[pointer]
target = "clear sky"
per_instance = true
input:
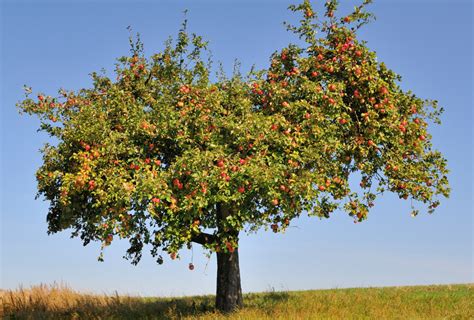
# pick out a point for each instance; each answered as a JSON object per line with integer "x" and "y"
{"x": 53, "y": 44}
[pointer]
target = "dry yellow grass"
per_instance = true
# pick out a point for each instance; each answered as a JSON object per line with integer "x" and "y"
{"x": 419, "y": 302}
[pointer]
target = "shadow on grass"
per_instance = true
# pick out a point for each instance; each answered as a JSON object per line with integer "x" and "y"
{"x": 133, "y": 308}
{"x": 115, "y": 308}
{"x": 60, "y": 302}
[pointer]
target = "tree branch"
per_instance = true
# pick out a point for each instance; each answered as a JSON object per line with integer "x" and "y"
{"x": 203, "y": 238}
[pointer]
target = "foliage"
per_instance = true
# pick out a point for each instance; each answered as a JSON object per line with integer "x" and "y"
{"x": 153, "y": 155}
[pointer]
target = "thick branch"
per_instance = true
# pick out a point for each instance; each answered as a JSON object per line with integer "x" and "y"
{"x": 203, "y": 238}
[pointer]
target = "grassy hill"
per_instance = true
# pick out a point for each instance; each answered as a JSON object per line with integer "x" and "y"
{"x": 418, "y": 302}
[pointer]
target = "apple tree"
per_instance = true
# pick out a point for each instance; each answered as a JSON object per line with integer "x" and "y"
{"x": 164, "y": 156}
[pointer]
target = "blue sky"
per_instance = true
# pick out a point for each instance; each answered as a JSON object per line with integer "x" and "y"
{"x": 54, "y": 44}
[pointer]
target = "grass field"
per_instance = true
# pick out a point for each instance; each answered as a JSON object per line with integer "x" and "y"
{"x": 418, "y": 302}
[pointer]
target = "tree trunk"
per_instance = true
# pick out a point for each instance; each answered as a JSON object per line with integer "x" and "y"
{"x": 229, "y": 290}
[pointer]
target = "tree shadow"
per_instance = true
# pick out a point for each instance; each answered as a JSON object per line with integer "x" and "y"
{"x": 69, "y": 305}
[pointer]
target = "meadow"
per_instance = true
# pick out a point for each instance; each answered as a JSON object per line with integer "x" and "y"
{"x": 417, "y": 302}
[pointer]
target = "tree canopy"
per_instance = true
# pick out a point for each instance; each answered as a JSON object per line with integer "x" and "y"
{"x": 156, "y": 153}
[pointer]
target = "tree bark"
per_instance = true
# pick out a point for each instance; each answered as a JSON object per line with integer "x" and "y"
{"x": 229, "y": 289}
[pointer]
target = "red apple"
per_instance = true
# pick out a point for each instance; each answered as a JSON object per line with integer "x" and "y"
{"x": 229, "y": 246}
{"x": 274, "y": 227}
{"x": 184, "y": 89}
{"x": 383, "y": 90}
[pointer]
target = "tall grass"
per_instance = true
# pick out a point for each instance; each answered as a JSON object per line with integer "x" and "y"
{"x": 58, "y": 301}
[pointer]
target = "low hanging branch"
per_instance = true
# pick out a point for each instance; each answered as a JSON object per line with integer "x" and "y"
{"x": 203, "y": 238}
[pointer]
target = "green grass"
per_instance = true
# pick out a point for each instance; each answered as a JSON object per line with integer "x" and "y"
{"x": 417, "y": 302}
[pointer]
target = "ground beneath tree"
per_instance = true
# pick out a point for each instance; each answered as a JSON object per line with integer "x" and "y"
{"x": 418, "y": 302}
